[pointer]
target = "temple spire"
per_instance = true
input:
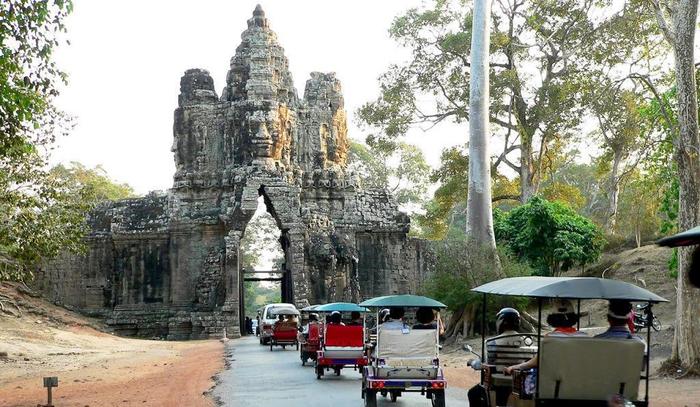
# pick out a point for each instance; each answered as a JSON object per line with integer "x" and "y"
{"x": 258, "y": 19}
{"x": 258, "y": 11}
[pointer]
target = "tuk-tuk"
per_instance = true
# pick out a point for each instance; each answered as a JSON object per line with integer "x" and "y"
{"x": 404, "y": 360}
{"x": 574, "y": 371}
{"x": 341, "y": 345}
{"x": 284, "y": 331}
{"x": 309, "y": 337}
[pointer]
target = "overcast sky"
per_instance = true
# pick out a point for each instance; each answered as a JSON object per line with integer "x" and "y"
{"x": 126, "y": 58}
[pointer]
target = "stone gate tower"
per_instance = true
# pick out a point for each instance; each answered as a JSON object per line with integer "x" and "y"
{"x": 167, "y": 264}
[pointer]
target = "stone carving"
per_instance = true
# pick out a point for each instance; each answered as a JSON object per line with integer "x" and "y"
{"x": 167, "y": 264}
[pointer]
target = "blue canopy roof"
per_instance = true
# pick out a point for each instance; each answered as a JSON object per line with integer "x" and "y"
{"x": 341, "y": 307}
{"x": 405, "y": 300}
{"x": 569, "y": 287}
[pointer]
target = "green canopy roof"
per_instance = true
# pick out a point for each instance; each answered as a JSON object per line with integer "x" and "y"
{"x": 405, "y": 300}
{"x": 341, "y": 307}
{"x": 688, "y": 238}
{"x": 569, "y": 287}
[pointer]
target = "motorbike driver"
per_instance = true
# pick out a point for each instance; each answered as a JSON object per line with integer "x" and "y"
{"x": 507, "y": 326}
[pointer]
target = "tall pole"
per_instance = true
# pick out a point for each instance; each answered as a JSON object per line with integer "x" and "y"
{"x": 479, "y": 218}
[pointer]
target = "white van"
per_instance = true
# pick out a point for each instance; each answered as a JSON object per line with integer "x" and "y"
{"x": 268, "y": 318}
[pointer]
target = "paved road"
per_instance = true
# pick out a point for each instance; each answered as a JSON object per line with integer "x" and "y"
{"x": 261, "y": 378}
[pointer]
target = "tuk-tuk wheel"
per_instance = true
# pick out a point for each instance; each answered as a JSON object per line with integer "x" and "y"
{"x": 394, "y": 395}
{"x": 319, "y": 372}
{"x": 439, "y": 398}
{"x": 370, "y": 398}
{"x": 304, "y": 359}
{"x": 297, "y": 345}
{"x": 270, "y": 346}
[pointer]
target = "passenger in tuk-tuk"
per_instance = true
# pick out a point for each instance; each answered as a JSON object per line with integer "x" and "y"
{"x": 563, "y": 320}
{"x": 313, "y": 319}
{"x": 355, "y": 318}
{"x": 617, "y": 318}
{"x": 428, "y": 319}
{"x": 395, "y": 319}
{"x": 336, "y": 318}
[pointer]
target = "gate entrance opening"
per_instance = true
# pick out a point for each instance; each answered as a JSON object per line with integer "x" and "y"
{"x": 263, "y": 275}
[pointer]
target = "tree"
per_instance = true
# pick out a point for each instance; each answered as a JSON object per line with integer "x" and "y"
{"x": 551, "y": 236}
{"x": 39, "y": 216}
{"x": 639, "y": 207}
{"x": 479, "y": 219}
{"x": 541, "y": 57}
{"x": 94, "y": 184}
{"x": 677, "y": 20}
{"x": 260, "y": 243}
{"x": 447, "y": 208}
{"x": 39, "y": 220}
{"x": 28, "y": 75}
{"x": 619, "y": 125}
{"x": 401, "y": 169}
{"x": 455, "y": 275}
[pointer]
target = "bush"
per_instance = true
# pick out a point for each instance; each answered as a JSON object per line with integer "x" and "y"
{"x": 550, "y": 236}
{"x": 461, "y": 267}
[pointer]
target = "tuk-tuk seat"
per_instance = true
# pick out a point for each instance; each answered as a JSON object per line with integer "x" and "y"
{"x": 344, "y": 342}
{"x": 500, "y": 356}
{"x": 579, "y": 368}
{"x": 409, "y": 355}
{"x": 314, "y": 333}
{"x": 285, "y": 331}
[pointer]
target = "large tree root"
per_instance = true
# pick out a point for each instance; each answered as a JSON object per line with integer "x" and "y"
{"x": 7, "y": 301}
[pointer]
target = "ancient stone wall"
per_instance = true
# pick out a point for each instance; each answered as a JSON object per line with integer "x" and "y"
{"x": 167, "y": 264}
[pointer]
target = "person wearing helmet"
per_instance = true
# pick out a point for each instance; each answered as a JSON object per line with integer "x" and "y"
{"x": 507, "y": 326}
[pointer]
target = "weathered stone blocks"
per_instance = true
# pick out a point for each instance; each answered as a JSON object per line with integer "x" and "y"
{"x": 166, "y": 265}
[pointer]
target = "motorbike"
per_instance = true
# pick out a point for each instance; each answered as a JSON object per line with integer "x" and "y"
{"x": 641, "y": 318}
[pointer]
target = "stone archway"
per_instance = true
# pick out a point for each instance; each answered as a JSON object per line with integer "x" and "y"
{"x": 167, "y": 264}
{"x": 283, "y": 276}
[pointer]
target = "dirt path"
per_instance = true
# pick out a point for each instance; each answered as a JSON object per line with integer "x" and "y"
{"x": 123, "y": 373}
{"x": 95, "y": 368}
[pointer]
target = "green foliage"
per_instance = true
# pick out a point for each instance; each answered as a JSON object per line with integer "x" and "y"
{"x": 447, "y": 208}
{"x": 39, "y": 215}
{"x": 258, "y": 295}
{"x": 456, "y": 273}
{"x": 401, "y": 169}
{"x": 449, "y": 199}
{"x": 261, "y": 239}
{"x": 28, "y": 75}
{"x": 93, "y": 183}
{"x": 543, "y": 55}
{"x": 43, "y": 212}
{"x": 550, "y": 236}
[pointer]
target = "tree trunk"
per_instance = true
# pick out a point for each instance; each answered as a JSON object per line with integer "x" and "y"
{"x": 527, "y": 189}
{"x": 613, "y": 192}
{"x": 479, "y": 217}
{"x": 686, "y": 344}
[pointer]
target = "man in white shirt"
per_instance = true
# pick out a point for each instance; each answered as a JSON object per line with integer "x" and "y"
{"x": 395, "y": 319}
